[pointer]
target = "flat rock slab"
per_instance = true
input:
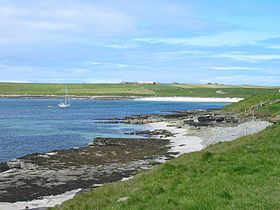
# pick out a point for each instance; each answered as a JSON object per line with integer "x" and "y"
{"x": 106, "y": 160}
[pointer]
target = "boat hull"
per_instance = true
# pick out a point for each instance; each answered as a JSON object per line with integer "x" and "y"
{"x": 62, "y": 105}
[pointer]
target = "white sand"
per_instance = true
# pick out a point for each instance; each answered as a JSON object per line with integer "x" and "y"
{"x": 47, "y": 201}
{"x": 190, "y": 99}
{"x": 186, "y": 141}
{"x": 180, "y": 142}
{"x": 213, "y": 135}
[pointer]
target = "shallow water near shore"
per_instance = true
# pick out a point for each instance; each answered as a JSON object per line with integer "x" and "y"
{"x": 38, "y": 125}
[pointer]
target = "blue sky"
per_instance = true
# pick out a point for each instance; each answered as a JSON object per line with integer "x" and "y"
{"x": 186, "y": 41}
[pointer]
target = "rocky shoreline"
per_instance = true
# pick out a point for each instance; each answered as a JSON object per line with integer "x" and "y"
{"x": 112, "y": 159}
{"x": 105, "y": 160}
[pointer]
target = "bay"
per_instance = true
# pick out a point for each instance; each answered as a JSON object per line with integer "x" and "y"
{"x": 38, "y": 125}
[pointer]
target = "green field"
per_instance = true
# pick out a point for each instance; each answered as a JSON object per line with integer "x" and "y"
{"x": 242, "y": 174}
{"x": 135, "y": 90}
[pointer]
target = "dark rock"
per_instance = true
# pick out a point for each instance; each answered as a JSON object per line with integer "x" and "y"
{"x": 4, "y": 167}
{"x": 188, "y": 121}
{"x": 219, "y": 119}
{"x": 147, "y": 133}
{"x": 80, "y": 168}
{"x": 203, "y": 118}
{"x": 106, "y": 142}
{"x": 197, "y": 124}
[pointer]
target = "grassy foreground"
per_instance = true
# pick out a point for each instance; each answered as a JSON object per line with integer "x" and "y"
{"x": 135, "y": 90}
{"x": 242, "y": 174}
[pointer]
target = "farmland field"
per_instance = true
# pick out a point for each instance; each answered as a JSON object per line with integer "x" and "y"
{"x": 134, "y": 89}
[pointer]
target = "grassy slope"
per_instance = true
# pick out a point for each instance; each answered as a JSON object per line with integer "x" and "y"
{"x": 268, "y": 110}
{"x": 135, "y": 90}
{"x": 242, "y": 174}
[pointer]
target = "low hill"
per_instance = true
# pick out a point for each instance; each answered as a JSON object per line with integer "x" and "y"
{"x": 135, "y": 89}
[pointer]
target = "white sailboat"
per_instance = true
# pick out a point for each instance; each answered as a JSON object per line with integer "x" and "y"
{"x": 65, "y": 101}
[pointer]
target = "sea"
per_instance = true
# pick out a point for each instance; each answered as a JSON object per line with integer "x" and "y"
{"x": 39, "y": 125}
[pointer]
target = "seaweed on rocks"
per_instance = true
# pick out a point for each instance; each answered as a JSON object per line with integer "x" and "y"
{"x": 105, "y": 160}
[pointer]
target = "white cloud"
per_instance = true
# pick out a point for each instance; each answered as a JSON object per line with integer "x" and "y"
{"x": 120, "y": 46}
{"x": 244, "y": 79}
{"x": 14, "y": 81}
{"x": 229, "y": 68}
{"x": 167, "y": 55}
{"x": 276, "y": 47}
{"x": 196, "y": 52}
{"x": 52, "y": 20}
{"x": 114, "y": 65}
{"x": 21, "y": 73}
{"x": 248, "y": 57}
{"x": 231, "y": 38}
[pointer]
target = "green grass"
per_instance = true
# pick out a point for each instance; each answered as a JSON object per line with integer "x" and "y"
{"x": 135, "y": 90}
{"x": 271, "y": 110}
{"x": 266, "y": 110}
{"x": 243, "y": 174}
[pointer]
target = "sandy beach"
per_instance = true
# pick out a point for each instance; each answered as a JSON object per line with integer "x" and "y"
{"x": 180, "y": 143}
{"x": 190, "y": 99}
{"x": 174, "y": 99}
{"x": 187, "y": 140}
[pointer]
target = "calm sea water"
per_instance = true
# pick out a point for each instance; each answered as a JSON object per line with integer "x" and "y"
{"x": 38, "y": 125}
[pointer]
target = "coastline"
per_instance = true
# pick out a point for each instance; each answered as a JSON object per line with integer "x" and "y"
{"x": 180, "y": 142}
{"x": 191, "y": 99}
{"x": 139, "y": 98}
{"x": 186, "y": 139}
{"x": 29, "y": 178}
{"x": 178, "y": 133}
{"x": 42, "y": 203}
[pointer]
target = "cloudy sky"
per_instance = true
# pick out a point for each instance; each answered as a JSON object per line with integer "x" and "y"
{"x": 187, "y": 41}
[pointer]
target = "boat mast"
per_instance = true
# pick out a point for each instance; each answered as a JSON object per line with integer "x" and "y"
{"x": 65, "y": 101}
